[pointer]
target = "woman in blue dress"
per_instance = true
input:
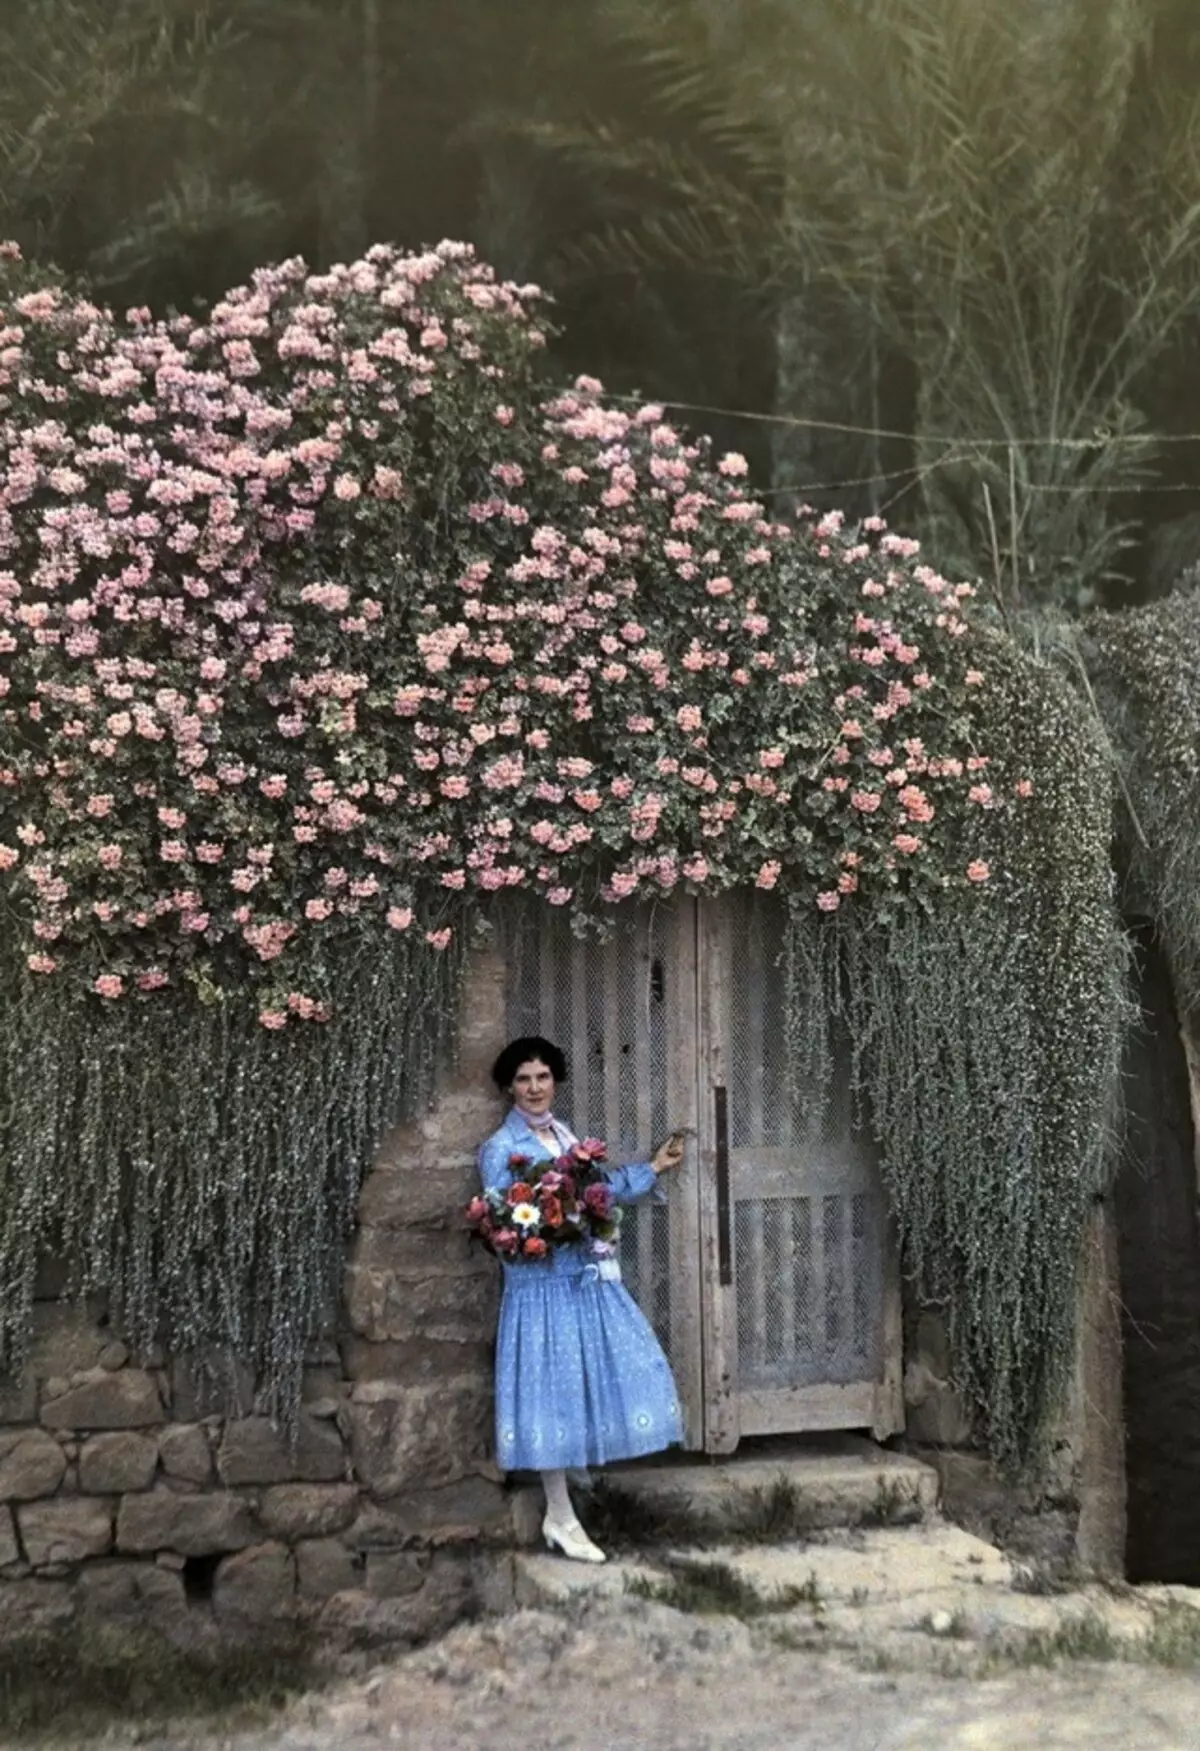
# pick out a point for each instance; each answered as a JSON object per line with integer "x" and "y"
{"x": 580, "y": 1376}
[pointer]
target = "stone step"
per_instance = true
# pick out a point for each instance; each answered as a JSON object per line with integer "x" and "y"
{"x": 768, "y": 1491}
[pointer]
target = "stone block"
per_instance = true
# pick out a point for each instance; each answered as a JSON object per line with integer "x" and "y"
{"x": 475, "y": 1508}
{"x": 210, "y": 1386}
{"x": 255, "y": 1587}
{"x": 18, "y": 1399}
{"x": 67, "y": 1338}
{"x": 403, "y": 1437}
{"x": 324, "y": 1567}
{"x": 457, "y": 1124}
{"x": 378, "y": 1528}
{"x": 134, "y": 1594}
{"x": 199, "y": 1525}
{"x": 32, "y": 1464}
{"x": 306, "y": 1510}
{"x": 360, "y": 1619}
{"x": 935, "y": 1412}
{"x": 387, "y": 1305}
{"x": 128, "y": 1399}
{"x": 414, "y": 1360}
{"x": 394, "y": 1574}
{"x": 65, "y": 1531}
{"x": 111, "y": 1464}
{"x": 443, "y": 1249}
{"x": 33, "y": 1606}
{"x": 931, "y": 1347}
{"x": 185, "y": 1453}
{"x": 323, "y": 1391}
{"x": 397, "y": 1198}
{"x": 10, "y": 1551}
{"x": 252, "y": 1450}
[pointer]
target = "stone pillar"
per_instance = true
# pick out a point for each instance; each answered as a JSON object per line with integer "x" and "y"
{"x": 1098, "y": 1403}
{"x": 420, "y": 1305}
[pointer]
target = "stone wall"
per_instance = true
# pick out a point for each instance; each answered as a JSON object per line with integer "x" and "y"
{"x": 1072, "y": 1518}
{"x": 148, "y": 1491}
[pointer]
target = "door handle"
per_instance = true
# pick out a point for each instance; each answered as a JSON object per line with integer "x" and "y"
{"x": 724, "y": 1237}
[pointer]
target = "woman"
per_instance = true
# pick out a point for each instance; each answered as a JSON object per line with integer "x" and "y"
{"x": 580, "y": 1376}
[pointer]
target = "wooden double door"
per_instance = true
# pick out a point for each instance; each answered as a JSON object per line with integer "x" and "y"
{"x": 769, "y": 1273}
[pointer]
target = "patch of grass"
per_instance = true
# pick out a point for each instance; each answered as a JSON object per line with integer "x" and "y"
{"x": 775, "y": 1511}
{"x": 87, "y": 1682}
{"x": 620, "y": 1520}
{"x": 716, "y": 1589}
{"x": 1174, "y": 1638}
{"x": 1039, "y": 1579}
{"x": 1086, "y": 1637}
{"x": 895, "y": 1504}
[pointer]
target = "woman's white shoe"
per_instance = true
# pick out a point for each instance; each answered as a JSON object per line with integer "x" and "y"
{"x": 572, "y": 1541}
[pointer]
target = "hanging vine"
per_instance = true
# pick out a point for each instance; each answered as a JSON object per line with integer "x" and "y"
{"x": 1145, "y": 668}
{"x": 324, "y": 621}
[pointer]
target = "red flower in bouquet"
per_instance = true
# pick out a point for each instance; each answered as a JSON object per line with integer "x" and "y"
{"x": 598, "y": 1202}
{"x": 534, "y": 1247}
{"x": 505, "y": 1240}
{"x": 520, "y": 1193}
{"x": 552, "y": 1211}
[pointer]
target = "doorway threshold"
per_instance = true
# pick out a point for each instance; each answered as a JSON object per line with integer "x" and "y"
{"x": 776, "y": 1487}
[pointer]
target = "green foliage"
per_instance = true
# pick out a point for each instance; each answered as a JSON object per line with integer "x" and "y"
{"x": 199, "y": 1169}
{"x": 1001, "y": 195}
{"x": 622, "y": 680}
{"x": 1145, "y": 669}
{"x": 985, "y": 1044}
{"x": 66, "y": 1689}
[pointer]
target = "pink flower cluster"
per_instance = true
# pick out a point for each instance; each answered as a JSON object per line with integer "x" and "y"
{"x": 281, "y": 660}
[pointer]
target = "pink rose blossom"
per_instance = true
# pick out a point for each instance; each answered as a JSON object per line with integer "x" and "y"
{"x": 829, "y": 900}
{"x": 979, "y": 871}
{"x": 109, "y": 985}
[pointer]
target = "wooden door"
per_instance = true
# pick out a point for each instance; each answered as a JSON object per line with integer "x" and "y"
{"x": 800, "y": 1303}
{"x": 624, "y": 1012}
{"x": 769, "y": 1274}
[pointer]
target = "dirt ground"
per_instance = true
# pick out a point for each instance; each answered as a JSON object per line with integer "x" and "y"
{"x": 619, "y": 1673}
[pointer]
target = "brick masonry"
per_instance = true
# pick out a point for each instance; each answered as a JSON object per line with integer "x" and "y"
{"x": 129, "y": 1492}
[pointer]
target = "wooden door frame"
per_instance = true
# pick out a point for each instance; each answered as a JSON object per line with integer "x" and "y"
{"x": 729, "y": 1412}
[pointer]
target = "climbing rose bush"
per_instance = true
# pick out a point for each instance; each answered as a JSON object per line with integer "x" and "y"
{"x": 321, "y": 615}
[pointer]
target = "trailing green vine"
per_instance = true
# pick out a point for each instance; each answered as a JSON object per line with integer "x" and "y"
{"x": 325, "y": 621}
{"x": 1145, "y": 667}
{"x": 986, "y": 1041}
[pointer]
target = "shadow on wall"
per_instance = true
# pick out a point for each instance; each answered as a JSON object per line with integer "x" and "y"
{"x": 1159, "y": 1239}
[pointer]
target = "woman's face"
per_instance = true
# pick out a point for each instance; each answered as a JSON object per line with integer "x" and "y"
{"x": 533, "y": 1087}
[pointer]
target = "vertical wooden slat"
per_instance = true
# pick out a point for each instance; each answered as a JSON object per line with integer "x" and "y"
{"x": 719, "y": 1304}
{"x": 785, "y": 1276}
{"x": 848, "y": 1275}
{"x": 612, "y": 1043}
{"x": 749, "y": 971}
{"x": 889, "y": 1394}
{"x": 752, "y": 1289}
{"x": 576, "y": 957}
{"x": 683, "y": 1083}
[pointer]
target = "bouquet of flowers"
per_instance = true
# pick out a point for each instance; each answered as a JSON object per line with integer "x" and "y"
{"x": 564, "y": 1202}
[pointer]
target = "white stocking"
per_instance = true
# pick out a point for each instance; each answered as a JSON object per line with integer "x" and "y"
{"x": 558, "y": 1501}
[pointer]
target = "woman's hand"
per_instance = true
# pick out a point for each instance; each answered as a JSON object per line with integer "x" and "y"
{"x": 668, "y": 1155}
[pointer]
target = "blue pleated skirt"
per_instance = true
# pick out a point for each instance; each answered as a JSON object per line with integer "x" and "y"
{"x": 581, "y": 1378}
